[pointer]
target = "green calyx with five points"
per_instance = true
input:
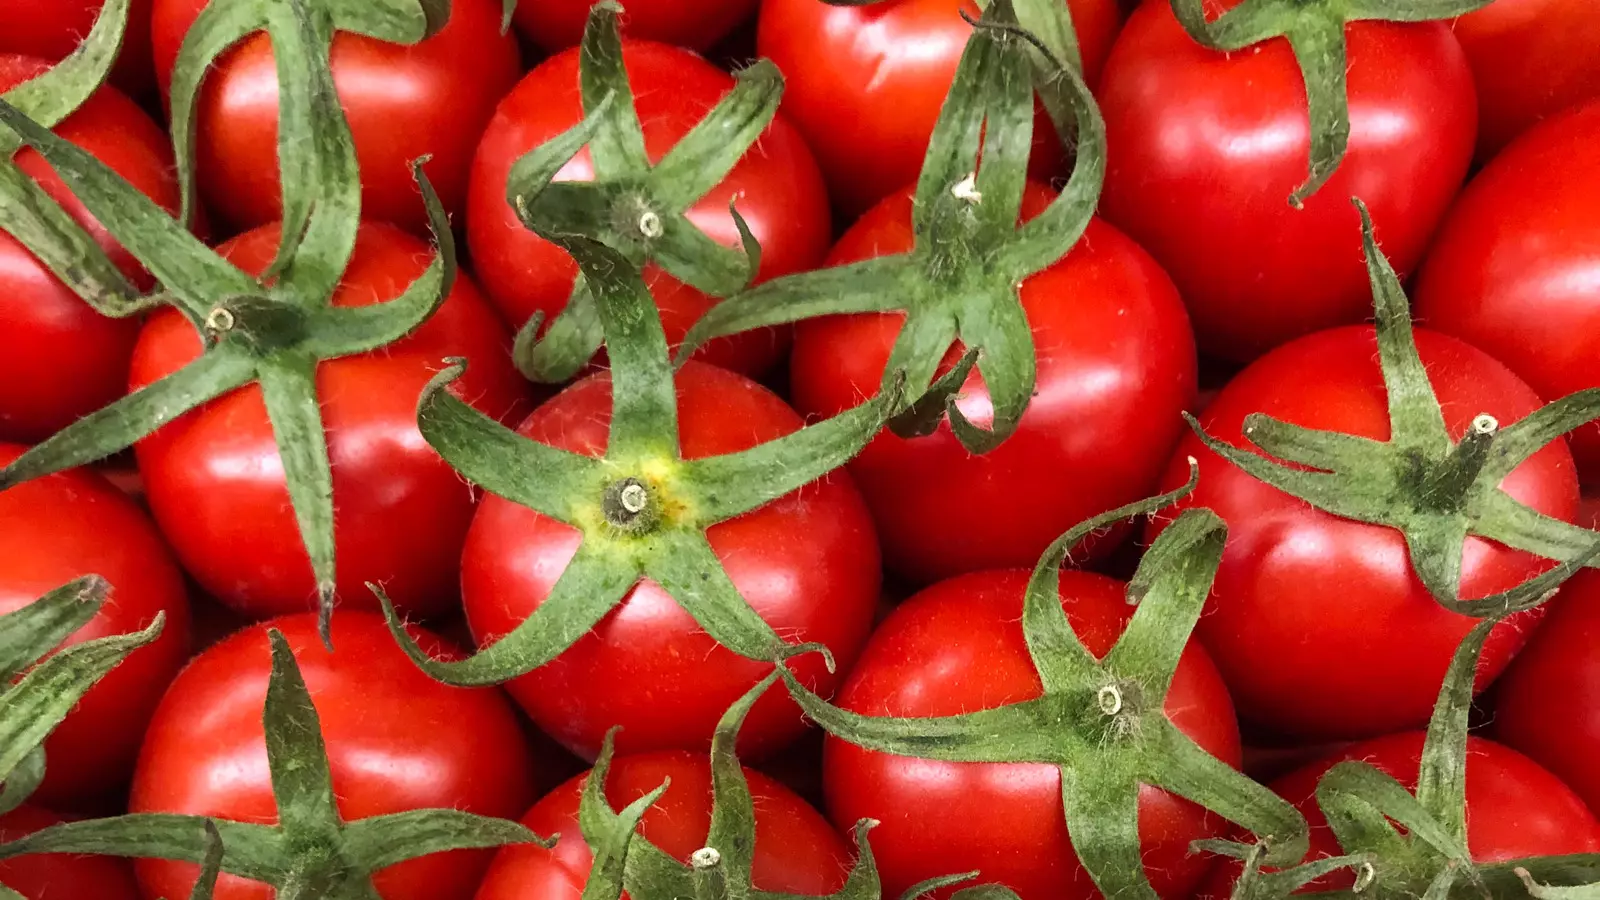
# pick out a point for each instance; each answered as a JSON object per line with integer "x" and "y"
{"x": 642, "y": 508}
{"x": 1433, "y": 489}
{"x": 1102, "y": 721}
{"x": 961, "y": 280}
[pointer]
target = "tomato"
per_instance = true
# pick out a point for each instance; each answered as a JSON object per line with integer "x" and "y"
{"x": 1514, "y": 808}
{"x": 807, "y": 563}
{"x": 1318, "y": 623}
{"x": 50, "y": 875}
{"x": 1512, "y": 271}
{"x": 75, "y": 523}
{"x": 695, "y": 24}
{"x": 215, "y": 482}
{"x": 59, "y": 359}
{"x": 957, "y": 647}
{"x": 778, "y": 187}
{"x": 402, "y": 103}
{"x": 1116, "y": 364}
{"x": 1206, "y": 147}
{"x": 52, "y": 29}
{"x": 397, "y": 741}
{"x": 796, "y": 851}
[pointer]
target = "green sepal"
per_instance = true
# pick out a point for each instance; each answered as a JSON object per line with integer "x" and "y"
{"x": 210, "y": 864}
{"x": 1256, "y": 884}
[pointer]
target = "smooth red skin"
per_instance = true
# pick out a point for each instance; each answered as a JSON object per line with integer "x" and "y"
{"x": 807, "y": 563}
{"x": 957, "y": 647}
{"x": 1515, "y": 809}
{"x": 796, "y": 850}
{"x": 59, "y": 359}
{"x": 53, "y": 875}
{"x": 402, "y": 102}
{"x": 52, "y": 29}
{"x": 777, "y": 185}
{"x": 1318, "y": 623}
{"x": 695, "y": 24}
{"x": 1116, "y": 365}
{"x": 1530, "y": 59}
{"x": 1514, "y": 270}
{"x": 64, "y": 526}
{"x": 215, "y": 482}
{"x": 396, "y": 739}
{"x": 1206, "y": 147}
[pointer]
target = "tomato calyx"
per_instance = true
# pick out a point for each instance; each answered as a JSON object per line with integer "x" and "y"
{"x": 1101, "y": 721}
{"x": 642, "y": 509}
{"x": 962, "y": 277}
{"x": 1433, "y": 489}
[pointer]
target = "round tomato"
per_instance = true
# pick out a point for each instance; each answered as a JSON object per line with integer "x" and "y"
{"x": 806, "y": 562}
{"x": 396, "y": 739}
{"x": 1116, "y": 365}
{"x": 957, "y": 647}
{"x": 402, "y": 102}
{"x": 1318, "y": 623}
{"x": 778, "y": 187}
{"x": 796, "y": 851}
{"x": 47, "y": 876}
{"x": 1511, "y": 271}
{"x": 215, "y": 482}
{"x": 64, "y": 526}
{"x": 696, "y": 24}
{"x": 59, "y": 359}
{"x": 865, "y": 82}
{"x": 52, "y": 29}
{"x": 1206, "y": 147}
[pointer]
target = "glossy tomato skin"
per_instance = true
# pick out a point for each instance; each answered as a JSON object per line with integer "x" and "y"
{"x": 796, "y": 850}
{"x": 1116, "y": 365}
{"x": 52, "y": 29}
{"x": 215, "y": 481}
{"x": 52, "y": 875}
{"x": 957, "y": 647}
{"x": 696, "y": 24}
{"x": 1206, "y": 147}
{"x": 1511, "y": 269}
{"x": 777, "y": 185}
{"x": 396, "y": 739}
{"x": 402, "y": 102}
{"x": 64, "y": 526}
{"x": 865, "y": 83}
{"x": 807, "y": 563}
{"x": 1318, "y": 623}
{"x": 59, "y": 359}
{"x": 1515, "y": 809}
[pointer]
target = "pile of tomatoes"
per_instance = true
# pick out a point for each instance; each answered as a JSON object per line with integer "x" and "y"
{"x": 1049, "y": 449}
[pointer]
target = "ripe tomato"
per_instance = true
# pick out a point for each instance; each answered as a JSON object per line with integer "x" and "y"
{"x": 397, "y": 740}
{"x": 796, "y": 851}
{"x": 807, "y": 563}
{"x": 696, "y": 24}
{"x": 1206, "y": 147}
{"x": 1318, "y": 623}
{"x": 52, "y": 29}
{"x": 402, "y": 103}
{"x": 59, "y": 359}
{"x": 47, "y": 876}
{"x": 779, "y": 189}
{"x": 215, "y": 482}
{"x": 1116, "y": 364}
{"x": 865, "y": 83}
{"x": 1511, "y": 271}
{"x": 1514, "y": 808}
{"x": 957, "y": 647}
{"x": 65, "y": 526}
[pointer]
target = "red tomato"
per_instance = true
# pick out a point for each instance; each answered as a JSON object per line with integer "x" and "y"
{"x": 402, "y": 103}
{"x": 64, "y": 526}
{"x": 1513, "y": 269}
{"x": 807, "y": 563}
{"x": 957, "y": 647}
{"x": 796, "y": 851}
{"x": 1514, "y": 808}
{"x": 1116, "y": 364}
{"x": 59, "y": 359}
{"x": 695, "y": 24}
{"x": 52, "y": 29}
{"x": 215, "y": 482}
{"x": 865, "y": 83}
{"x": 1206, "y": 147}
{"x": 1318, "y": 623}
{"x": 779, "y": 190}
{"x": 51, "y": 875}
{"x": 397, "y": 741}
